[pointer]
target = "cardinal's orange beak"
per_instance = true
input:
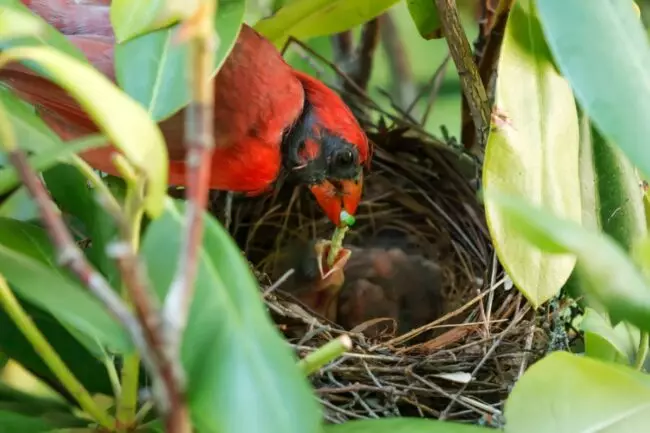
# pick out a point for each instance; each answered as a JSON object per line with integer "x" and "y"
{"x": 342, "y": 196}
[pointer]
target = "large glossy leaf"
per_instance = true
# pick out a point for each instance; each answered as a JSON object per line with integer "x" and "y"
{"x": 28, "y": 262}
{"x": 610, "y": 343}
{"x": 243, "y": 377}
{"x": 566, "y": 393}
{"x": 21, "y": 27}
{"x": 425, "y": 16}
{"x": 133, "y": 18}
{"x": 304, "y": 19}
{"x": 403, "y": 425}
{"x": 608, "y": 276}
{"x": 598, "y": 49}
{"x": 122, "y": 120}
{"x": 159, "y": 80}
{"x": 532, "y": 152}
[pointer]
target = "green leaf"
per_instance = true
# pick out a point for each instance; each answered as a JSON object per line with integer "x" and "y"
{"x": 159, "y": 80}
{"x": 566, "y": 393}
{"x": 49, "y": 157}
{"x": 607, "y": 275}
{"x": 606, "y": 342}
{"x": 243, "y": 364}
{"x": 611, "y": 187}
{"x": 532, "y": 153}
{"x": 19, "y": 26}
{"x": 15, "y": 422}
{"x": 22, "y": 412}
{"x": 403, "y": 425}
{"x": 304, "y": 19}
{"x": 32, "y": 134}
{"x": 19, "y": 205}
{"x": 128, "y": 126}
{"x": 425, "y": 17}
{"x": 28, "y": 262}
{"x": 68, "y": 188}
{"x": 134, "y": 18}
{"x": 86, "y": 367}
{"x": 611, "y": 70}
{"x": 16, "y": 24}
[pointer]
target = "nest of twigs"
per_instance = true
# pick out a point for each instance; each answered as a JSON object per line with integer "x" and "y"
{"x": 419, "y": 190}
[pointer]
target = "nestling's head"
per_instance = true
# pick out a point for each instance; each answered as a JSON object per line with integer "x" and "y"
{"x": 327, "y": 150}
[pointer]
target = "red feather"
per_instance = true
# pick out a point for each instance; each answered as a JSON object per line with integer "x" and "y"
{"x": 257, "y": 98}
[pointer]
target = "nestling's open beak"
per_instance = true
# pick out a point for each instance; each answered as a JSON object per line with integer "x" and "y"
{"x": 334, "y": 198}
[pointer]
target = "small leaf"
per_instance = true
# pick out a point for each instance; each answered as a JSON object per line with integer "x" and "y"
{"x": 610, "y": 31}
{"x": 127, "y": 125}
{"x": 425, "y": 17}
{"x": 134, "y": 18}
{"x": 243, "y": 366}
{"x": 304, "y": 19}
{"x": 565, "y": 393}
{"x": 403, "y": 425}
{"x": 606, "y": 273}
{"x": 603, "y": 341}
{"x": 19, "y": 206}
{"x": 19, "y": 26}
{"x": 615, "y": 197}
{"x": 28, "y": 262}
{"x": 533, "y": 153}
{"x": 159, "y": 80}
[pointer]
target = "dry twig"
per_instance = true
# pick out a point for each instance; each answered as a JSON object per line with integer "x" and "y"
{"x": 473, "y": 87}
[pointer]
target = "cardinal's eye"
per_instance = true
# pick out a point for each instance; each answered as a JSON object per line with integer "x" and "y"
{"x": 344, "y": 158}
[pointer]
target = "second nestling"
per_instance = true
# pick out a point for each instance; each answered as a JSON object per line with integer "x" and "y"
{"x": 376, "y": 282}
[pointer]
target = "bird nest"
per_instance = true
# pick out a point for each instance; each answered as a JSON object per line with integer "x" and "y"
{"x": 418, "y": 195}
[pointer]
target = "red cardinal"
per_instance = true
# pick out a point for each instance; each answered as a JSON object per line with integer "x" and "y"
{"x": 270, "y": 120}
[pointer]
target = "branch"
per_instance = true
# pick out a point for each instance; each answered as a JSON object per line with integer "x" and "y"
{"x": 343, "y": 45}
{"x": 471, "y": 83}
{"x": 199, "y": 141}
{"x": 487, "y": 56}
{"x": 358, "y": 65}
{"x": 490, "y": 59}
{"x": 365, "y": 53}
{"x": 397, "y": 56}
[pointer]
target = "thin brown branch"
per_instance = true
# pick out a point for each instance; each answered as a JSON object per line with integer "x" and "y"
{"x": 343, "y": 46}
{"x": 365, "y": 53}
{"x": 436, "y": 82}
{"x": 471, "y": 83}
{"x": 356, "y": 63}
{"x": 488, "y": 58}
{"x": 199, "y": 141}
{"x": 403, "y": 88}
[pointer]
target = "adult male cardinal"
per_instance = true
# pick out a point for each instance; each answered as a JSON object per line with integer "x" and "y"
{"x": 270, "y": 119}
